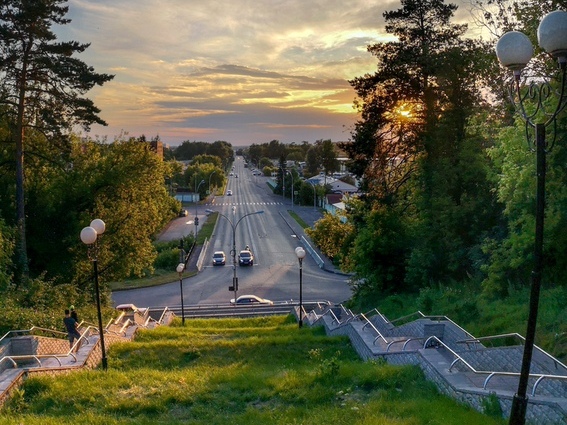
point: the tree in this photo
(187, 150)
(43, 88)
(311, 161)
(223, 150)
(121, 183)
(207, 159)
(413, 147)
(330, 233)
(327, 156)
(6, 252)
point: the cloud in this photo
(236, 70)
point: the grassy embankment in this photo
(237, 371)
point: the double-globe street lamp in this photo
(514, 51)
(300, 253)
(89, 236)
(234, 225)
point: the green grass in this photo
(299, 220)
(159, 277)
(237, 371)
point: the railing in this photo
(21, 332)
(458, 359)
(369, 323)
(161, 318)
(521, 338)
(432, 317)
(331, 313)
(38, 357)
(418, 313)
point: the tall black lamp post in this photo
(300, 253)
(514, 51)
(89, 236)
(180, 269)
(234, 225)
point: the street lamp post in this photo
(514, 50)
(234, 226)
(211, 175)
(180, 269)
(300, 253)
(196, 221)
(283, 182)
(292, 187)
(89, 236)
(314, 195)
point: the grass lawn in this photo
(237, 371)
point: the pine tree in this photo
(43, 88)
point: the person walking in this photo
(72, 331)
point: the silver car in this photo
(219, 259)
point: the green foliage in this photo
(491, 406)
(207, 159)
(429, 200)
(329, 234)
(6, 252)
(43, 94)
(251, 371)
(380, 251)
(168, 256)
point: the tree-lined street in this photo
(275, 274)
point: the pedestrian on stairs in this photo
(72, 332)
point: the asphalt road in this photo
(275, 274)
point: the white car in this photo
(130, 309)
(229, 192)
(219, 258)
(251, 300)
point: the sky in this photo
(242, 71)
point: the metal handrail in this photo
(432, 317)
(36, 357)
(119, 318)
(335, 319)
(407, 315)
(369, 323)
(516, 335)
(165, 310)
(458, 358)
(28, 331)
(405, 341)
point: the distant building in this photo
(157, 147)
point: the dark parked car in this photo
(219, 259)
(245, 258)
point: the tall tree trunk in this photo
(21, 254)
